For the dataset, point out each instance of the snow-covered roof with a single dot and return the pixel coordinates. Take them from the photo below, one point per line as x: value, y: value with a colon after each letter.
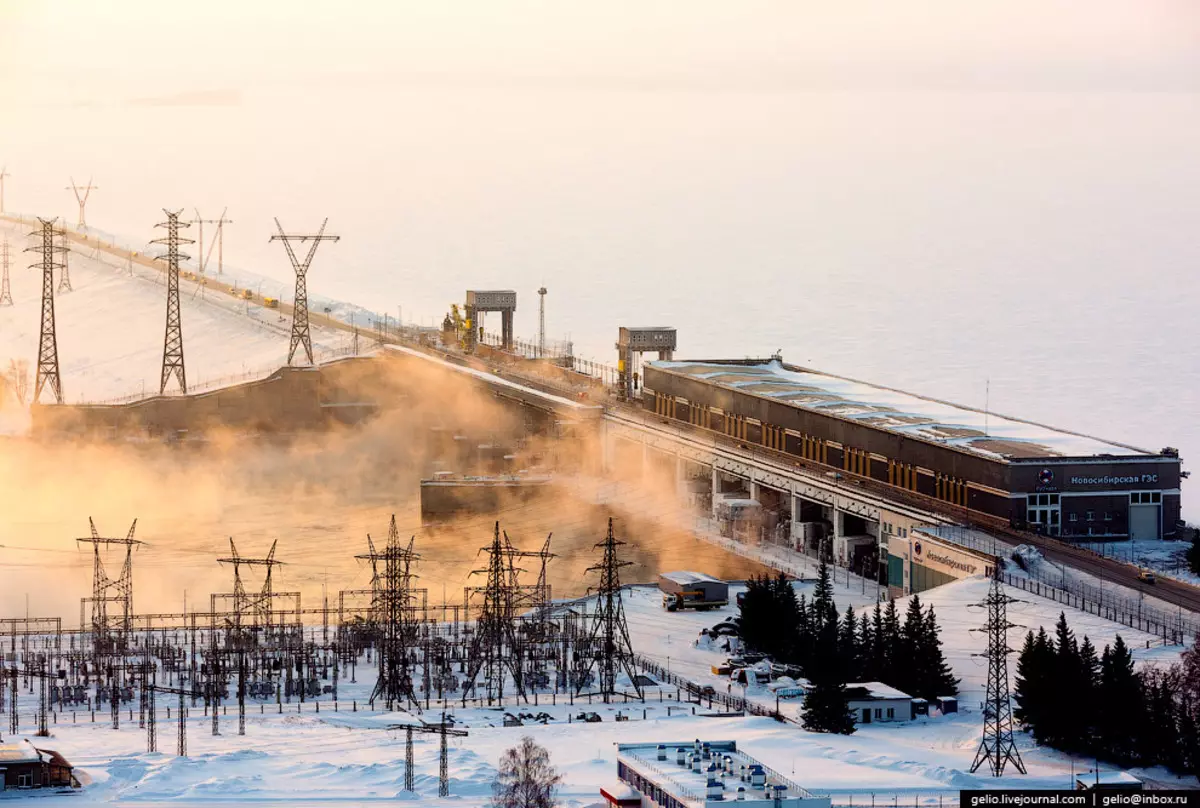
x: 878, y: 690
x: 1108, y: 779
x: 986, y: 434
x: 18, y: 752
x: 684, y: 577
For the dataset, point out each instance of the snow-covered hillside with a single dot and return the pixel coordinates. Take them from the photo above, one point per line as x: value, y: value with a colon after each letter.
x: 110, y: 327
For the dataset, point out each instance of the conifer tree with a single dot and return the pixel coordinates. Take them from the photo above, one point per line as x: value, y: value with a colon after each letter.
x: 893, y: 654
x: 1084, y: 698
x: 866, y: 650
x: 787, y: 624
x: 1063, y: 722
x: 1121, y: 694
x: 823, y: 608
x: 940, y: 677
x: 1028, y: 686
x: 877, y: 665
x: 826, y: 706
x: 848, y: 648
x: 913, y: 672
x: 1193, y: 553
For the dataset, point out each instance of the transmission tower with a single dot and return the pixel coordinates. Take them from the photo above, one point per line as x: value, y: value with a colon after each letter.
x: 610, y: 648
x: 3, y: 173
x: 172, y: 364
x: 110, y: 633
x: 300, y: 332
x: 260, y: 607
x: 64, y: 274
x: 218, y: 241
x: 5, y: 292
x: 997, y: 747
x: 47, y: 369
x: 82, y: 192
x: 494, y: 647
x: 541, y: 322
x: 393, y: 605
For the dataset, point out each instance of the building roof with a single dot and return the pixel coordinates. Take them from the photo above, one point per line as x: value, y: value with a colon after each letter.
x: 997, y: 437
x: 16, y: 752
x: 690, y: 787
x: 877, y: 690
x: 684, y: 578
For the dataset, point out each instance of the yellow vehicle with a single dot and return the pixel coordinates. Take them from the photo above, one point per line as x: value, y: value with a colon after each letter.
x: 247, y: 294
x: 271, y: 302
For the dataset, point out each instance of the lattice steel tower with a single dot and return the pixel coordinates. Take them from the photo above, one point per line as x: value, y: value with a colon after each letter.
x: 82, y: 192
x: 5, y: 292
x: 64, y: 274
x: 610, y: 649
x: 393, y: 606
x: 300, y: 332
x: 110, y: 633
x: 172, y: 364
x: 47, y: 369
x: 997, y: 747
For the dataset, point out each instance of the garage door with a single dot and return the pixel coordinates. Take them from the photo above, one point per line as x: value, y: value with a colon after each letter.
x: 1143, y: 522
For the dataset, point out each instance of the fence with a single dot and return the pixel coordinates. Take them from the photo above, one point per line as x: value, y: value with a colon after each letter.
x: 727, y: 700
x: 1172, y: 629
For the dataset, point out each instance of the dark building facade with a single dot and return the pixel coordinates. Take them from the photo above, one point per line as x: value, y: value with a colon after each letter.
x: 1058, y: 482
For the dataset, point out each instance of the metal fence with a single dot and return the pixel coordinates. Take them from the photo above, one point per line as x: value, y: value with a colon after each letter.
x: 1172, y: 629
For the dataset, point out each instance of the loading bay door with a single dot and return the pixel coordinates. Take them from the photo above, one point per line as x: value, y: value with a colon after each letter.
x: 1143, y: 522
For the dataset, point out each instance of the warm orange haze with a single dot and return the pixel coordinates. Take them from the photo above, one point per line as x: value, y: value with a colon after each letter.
x: 518, y: 403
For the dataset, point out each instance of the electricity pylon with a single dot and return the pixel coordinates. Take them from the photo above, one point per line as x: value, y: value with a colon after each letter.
x: 300, y: 332
x: 5, y: 292
x: 47, y: 369
x: 82, y: 199
x: 172, y: 364
x: 997, y: 747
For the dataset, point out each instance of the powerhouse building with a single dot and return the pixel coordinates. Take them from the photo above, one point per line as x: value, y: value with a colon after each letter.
x: 995, y: 467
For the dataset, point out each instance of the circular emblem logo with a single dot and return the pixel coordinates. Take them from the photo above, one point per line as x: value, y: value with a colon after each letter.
x: 916, y: 548
x: 1046, y: 477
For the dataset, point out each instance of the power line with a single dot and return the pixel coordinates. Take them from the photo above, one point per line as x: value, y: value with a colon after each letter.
x: 172, y: 364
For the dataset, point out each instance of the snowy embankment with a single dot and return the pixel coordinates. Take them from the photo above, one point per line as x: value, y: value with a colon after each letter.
x: 110, y: 328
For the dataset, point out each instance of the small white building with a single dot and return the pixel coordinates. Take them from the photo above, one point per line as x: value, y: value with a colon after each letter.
x: 875, y: 702
x: 710, y: 774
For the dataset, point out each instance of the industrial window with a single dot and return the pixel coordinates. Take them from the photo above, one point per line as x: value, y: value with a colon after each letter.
x: 1091, y: 516
x: 1074, y: 517
x: 1156, y: 497
x: 891, y: 712
x: 1107, y: 516
x: 1032, y: 499
x: 1054, y: 499
x: 878, y: 712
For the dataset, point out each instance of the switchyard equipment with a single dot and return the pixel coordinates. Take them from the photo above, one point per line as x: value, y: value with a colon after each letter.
x: 633, y: 342
x: 479, y: 302
x: 967, y: 462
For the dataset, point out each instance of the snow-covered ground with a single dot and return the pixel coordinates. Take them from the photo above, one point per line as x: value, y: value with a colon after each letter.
x: 348, y: 758
x: 1168, y: 558
x: 110, y: 328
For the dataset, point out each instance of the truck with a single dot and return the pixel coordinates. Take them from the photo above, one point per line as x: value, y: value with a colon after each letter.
x: 692, y: 590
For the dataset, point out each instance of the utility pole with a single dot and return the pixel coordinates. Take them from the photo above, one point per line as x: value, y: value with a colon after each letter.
x: 47, y: 369
x: 5, y: 292
x: 172, y: 364
x: 300, y: 332
x: 541, y: 322
x: 81, y: 196
x: 3, y: 173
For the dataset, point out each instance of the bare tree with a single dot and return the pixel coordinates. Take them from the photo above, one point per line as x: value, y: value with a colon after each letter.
x: 525, y: 778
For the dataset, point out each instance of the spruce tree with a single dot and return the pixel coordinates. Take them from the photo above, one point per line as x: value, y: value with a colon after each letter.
x: 914, y: 671
x: 826, y: 706
x: 848, y: 648
x: 1028, y: 684
x: 1065, y: 721
x: 940, y: 677
x: 755, y: 619
x: 1121, y: 718
x: 877, y: 665
x: 893, y: 654
x: 866, y: 650
x: 787, y: 624
x: 1193, y: 553
x: 1085, y: 696
x: 804, y: 634
x: 824, y: 610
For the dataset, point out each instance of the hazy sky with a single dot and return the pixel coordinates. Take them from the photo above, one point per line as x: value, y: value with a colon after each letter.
x: 927, y: 194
